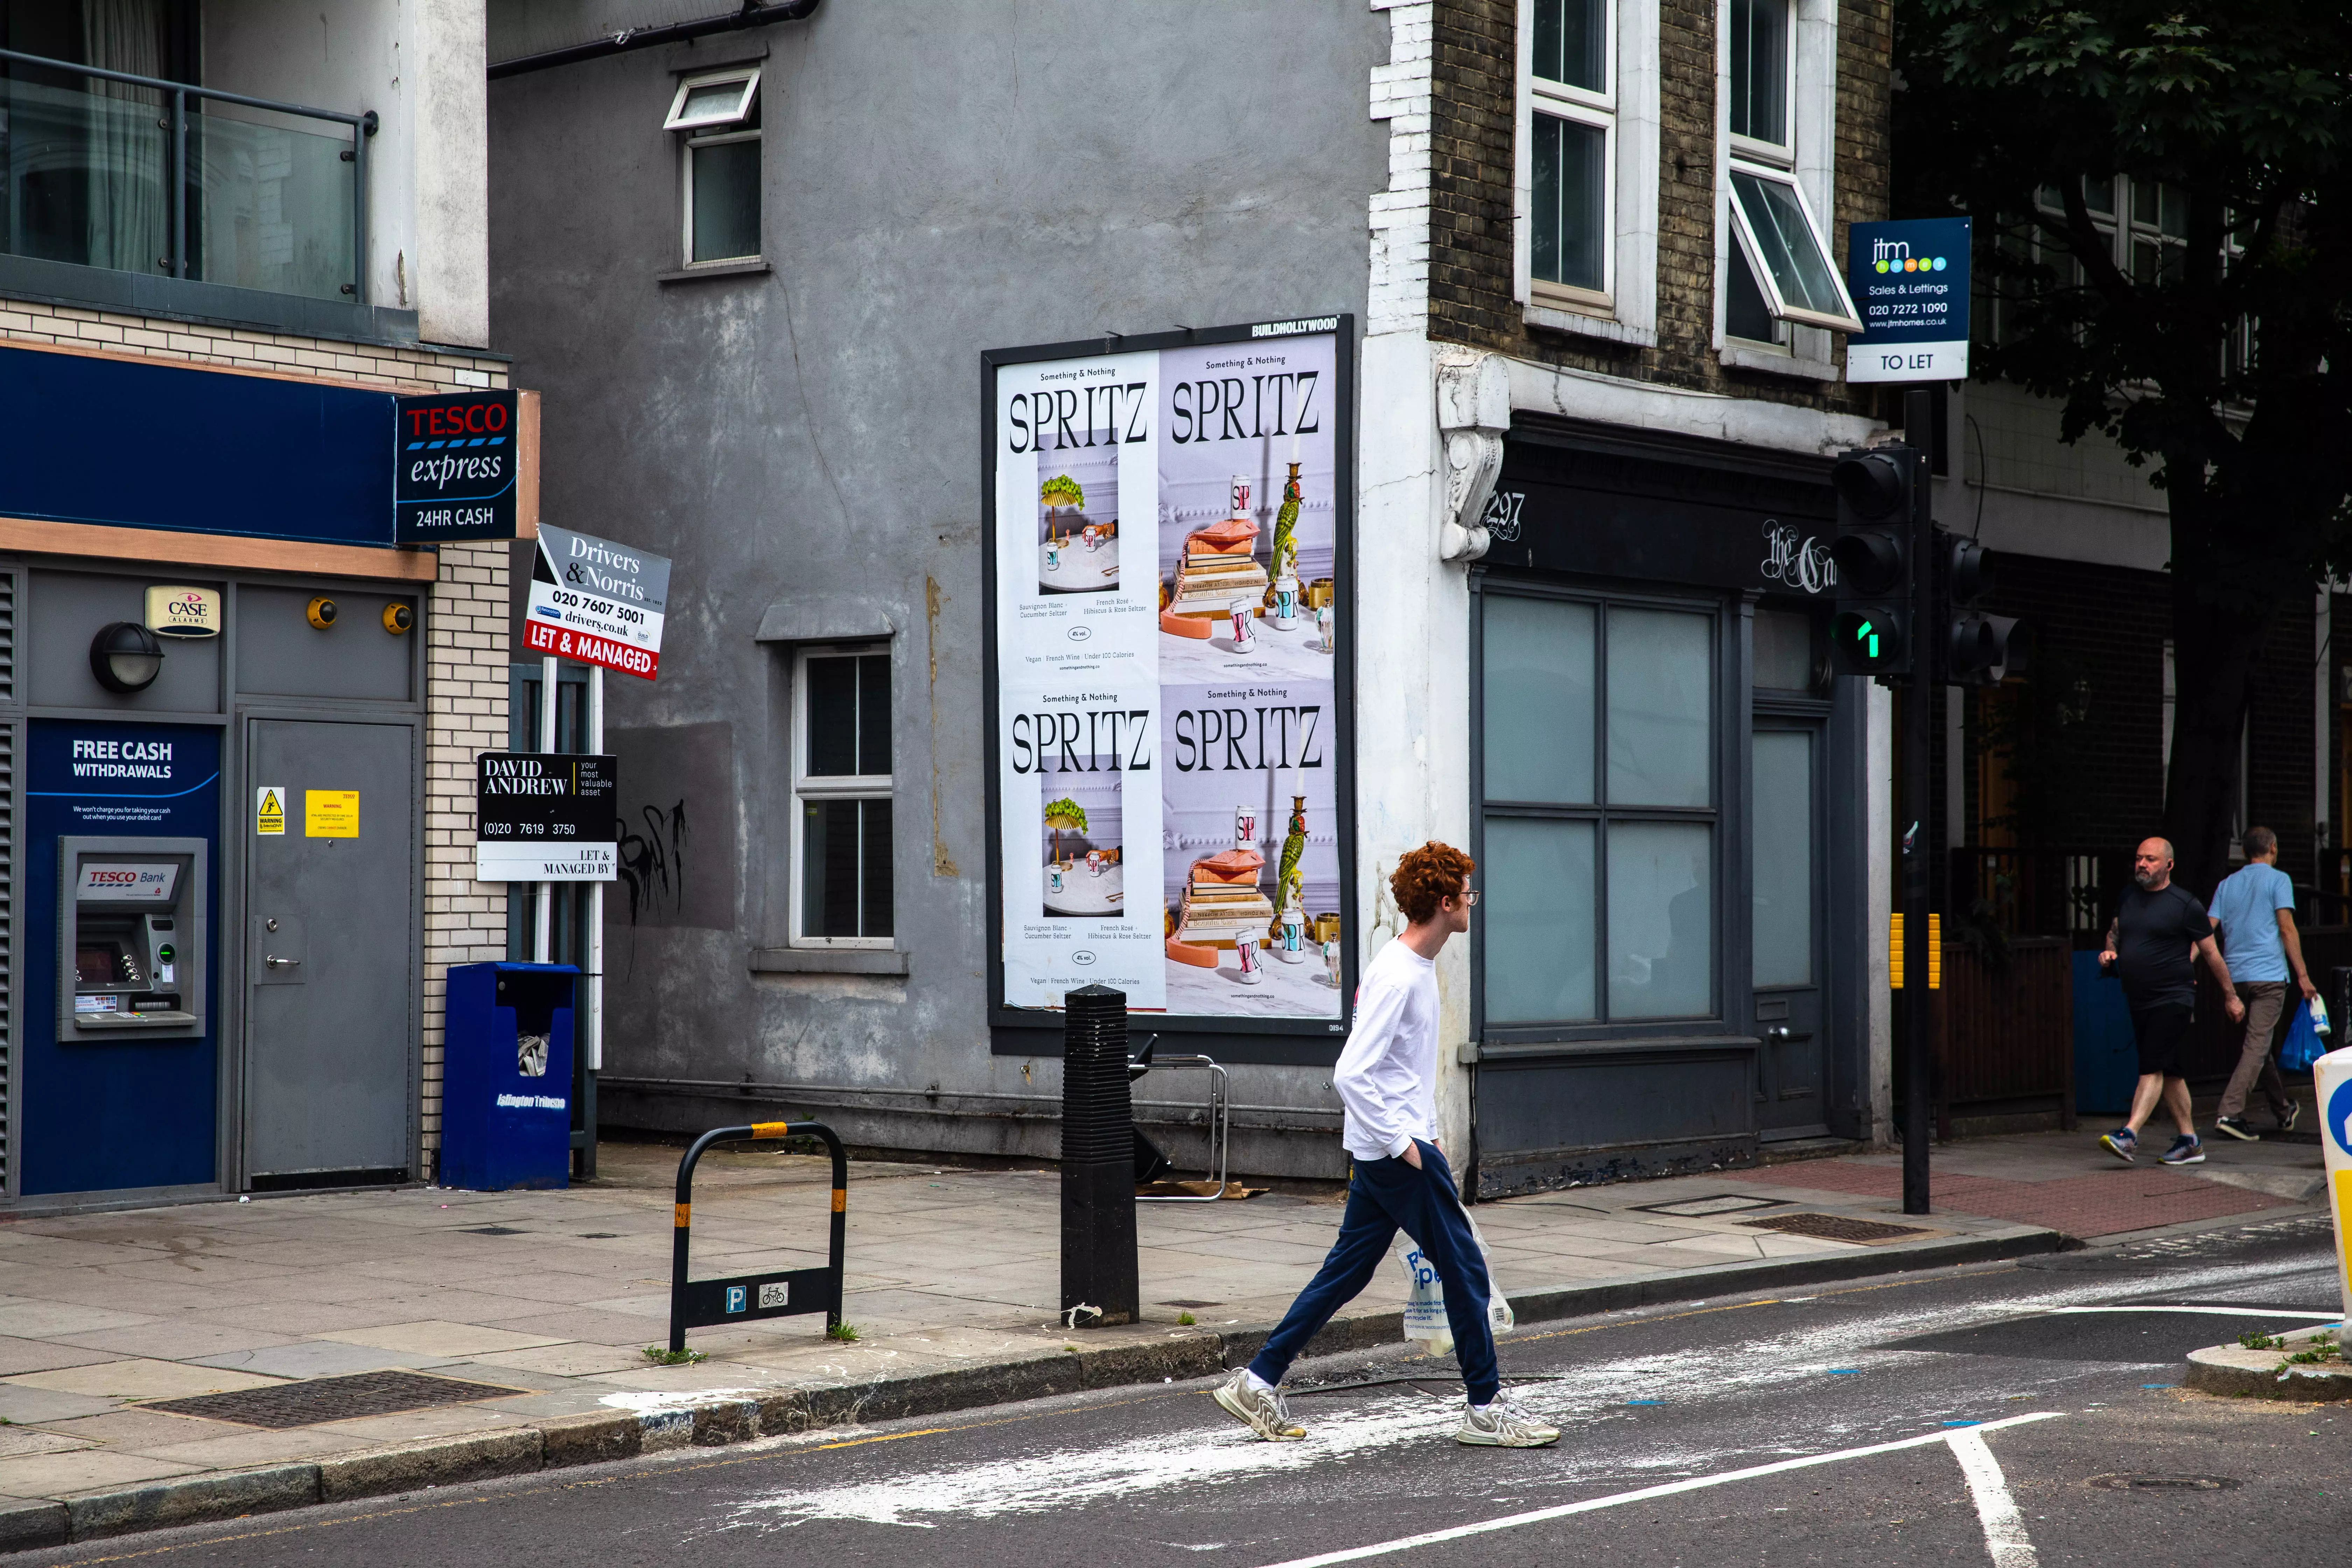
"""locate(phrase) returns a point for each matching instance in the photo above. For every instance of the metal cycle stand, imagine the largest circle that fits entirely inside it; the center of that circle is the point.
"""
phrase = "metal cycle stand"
(1219, 1124)
(698, 1303)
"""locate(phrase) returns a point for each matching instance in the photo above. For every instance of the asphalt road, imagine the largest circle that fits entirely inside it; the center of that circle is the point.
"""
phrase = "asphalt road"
(2074, 1404)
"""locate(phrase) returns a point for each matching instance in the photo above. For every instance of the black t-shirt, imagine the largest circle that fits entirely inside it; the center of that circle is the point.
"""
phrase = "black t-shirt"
(2153, 934)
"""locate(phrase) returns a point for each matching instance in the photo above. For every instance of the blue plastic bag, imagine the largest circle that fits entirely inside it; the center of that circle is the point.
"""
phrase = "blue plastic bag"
(2303, 1044)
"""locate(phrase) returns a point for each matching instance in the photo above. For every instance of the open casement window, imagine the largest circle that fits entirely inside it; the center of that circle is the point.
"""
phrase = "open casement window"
(1571, 93)
(1787, 255)
(842, 793)
(716, 101)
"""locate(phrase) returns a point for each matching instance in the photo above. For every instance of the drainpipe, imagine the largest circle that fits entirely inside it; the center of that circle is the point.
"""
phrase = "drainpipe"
(751, 16)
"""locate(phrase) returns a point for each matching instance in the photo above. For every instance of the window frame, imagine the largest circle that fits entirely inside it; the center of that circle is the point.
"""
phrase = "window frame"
(1803, 344)
(676, 119)
(1752, 249)
(1578, 106)
(834, 787)
(1720, 816)
(1624, 308)
(1782, 155)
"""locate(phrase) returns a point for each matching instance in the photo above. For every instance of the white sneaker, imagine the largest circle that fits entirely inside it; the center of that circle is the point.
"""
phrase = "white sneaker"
(1260, 1409)
(1504, 1425)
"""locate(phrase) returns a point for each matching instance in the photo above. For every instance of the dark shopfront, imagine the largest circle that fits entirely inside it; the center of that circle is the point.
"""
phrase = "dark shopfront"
(1668, 805)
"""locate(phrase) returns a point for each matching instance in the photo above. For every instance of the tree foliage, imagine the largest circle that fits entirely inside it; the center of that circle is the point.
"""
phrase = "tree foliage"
(2221, 362)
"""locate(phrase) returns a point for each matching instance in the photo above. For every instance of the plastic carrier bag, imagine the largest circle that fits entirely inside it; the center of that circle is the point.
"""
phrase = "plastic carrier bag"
(2303, 1044)
(1424, 1298)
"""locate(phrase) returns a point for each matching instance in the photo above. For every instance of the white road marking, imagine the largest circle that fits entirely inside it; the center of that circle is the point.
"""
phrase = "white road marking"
(2004, 1527)
(1591, 1505)
(2209, 1311)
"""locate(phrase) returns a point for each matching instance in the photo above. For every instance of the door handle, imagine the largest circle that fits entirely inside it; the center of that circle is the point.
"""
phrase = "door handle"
(272, 961)
(1782, 1036)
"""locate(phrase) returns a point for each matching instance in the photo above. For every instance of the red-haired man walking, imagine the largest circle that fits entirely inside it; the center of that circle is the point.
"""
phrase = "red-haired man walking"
(1387, 1083)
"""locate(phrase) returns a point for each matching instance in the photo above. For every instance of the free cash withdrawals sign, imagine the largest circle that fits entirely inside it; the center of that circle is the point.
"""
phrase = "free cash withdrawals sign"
(1910, 280)
(1166, 536)
(545, 816)
(597, 602)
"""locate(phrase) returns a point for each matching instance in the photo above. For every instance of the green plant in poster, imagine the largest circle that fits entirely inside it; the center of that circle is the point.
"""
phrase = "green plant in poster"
(1285, 525)
(1290, 881)
(1064, 816)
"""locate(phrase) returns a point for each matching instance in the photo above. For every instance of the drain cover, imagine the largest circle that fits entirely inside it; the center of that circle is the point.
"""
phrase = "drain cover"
(1721, 1203)
(2165, 1483)
(314, 1400)
(1834, 1228)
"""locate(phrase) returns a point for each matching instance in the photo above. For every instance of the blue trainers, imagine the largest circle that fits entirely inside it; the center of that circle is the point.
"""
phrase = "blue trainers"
(2123, 1144)
(2185, 1151)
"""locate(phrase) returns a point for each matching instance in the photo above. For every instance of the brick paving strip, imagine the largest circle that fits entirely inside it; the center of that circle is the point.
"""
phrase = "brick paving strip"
(110, 1324)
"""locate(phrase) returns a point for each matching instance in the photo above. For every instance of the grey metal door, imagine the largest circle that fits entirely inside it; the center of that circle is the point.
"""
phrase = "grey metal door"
(1786, 860)
(329, 962)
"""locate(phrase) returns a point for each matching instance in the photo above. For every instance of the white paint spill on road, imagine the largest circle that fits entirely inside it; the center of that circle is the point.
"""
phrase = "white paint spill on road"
(667, 1401)
(2004, 1527)
(1061, 1478)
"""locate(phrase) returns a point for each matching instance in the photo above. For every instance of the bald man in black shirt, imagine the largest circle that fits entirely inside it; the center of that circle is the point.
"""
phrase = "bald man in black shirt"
(2160, 932)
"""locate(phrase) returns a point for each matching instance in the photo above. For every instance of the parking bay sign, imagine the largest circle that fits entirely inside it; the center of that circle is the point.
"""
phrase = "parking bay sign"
(597, 602)
(545, 816)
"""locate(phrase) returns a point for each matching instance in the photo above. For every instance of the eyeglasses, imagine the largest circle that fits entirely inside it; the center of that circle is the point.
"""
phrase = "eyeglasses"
(1467, 899)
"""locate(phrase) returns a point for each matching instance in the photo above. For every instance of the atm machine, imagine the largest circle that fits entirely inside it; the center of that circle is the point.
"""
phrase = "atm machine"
(131, 912)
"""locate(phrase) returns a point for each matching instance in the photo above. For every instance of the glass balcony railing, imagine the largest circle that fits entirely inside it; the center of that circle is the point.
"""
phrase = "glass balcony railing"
(136, 175)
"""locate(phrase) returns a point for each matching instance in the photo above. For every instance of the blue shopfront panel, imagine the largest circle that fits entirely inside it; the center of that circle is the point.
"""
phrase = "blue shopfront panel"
(104, 1115)
(140, 445)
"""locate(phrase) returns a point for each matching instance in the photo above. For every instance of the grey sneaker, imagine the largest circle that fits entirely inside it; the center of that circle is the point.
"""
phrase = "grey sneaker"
(1504, 1425)
(1260, 1410)
(2123, 1144)
(2185, 1151)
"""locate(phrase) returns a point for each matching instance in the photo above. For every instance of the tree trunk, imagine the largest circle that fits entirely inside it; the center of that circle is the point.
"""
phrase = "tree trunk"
(2214, 638)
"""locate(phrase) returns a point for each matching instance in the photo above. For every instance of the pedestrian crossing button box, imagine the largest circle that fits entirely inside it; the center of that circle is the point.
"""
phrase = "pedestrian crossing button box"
(131, 912)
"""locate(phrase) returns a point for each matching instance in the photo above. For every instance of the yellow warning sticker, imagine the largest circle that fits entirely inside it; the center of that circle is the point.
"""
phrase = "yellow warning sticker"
(330, 814)
(269, 810)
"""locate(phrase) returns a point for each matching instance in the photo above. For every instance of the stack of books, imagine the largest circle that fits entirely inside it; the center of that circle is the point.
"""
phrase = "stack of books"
(1218, 568)
(1222, 904)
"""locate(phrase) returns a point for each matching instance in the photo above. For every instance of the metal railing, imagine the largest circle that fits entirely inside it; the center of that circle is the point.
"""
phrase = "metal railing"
(85, 174)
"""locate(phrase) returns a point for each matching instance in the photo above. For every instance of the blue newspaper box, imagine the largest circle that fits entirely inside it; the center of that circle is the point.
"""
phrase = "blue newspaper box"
(505, 1077)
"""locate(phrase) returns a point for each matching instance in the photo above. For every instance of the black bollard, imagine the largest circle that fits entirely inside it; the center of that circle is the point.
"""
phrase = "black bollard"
(1100, 1283)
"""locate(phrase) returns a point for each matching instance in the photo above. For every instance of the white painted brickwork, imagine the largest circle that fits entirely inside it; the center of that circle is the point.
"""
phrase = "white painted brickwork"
(1398, 300)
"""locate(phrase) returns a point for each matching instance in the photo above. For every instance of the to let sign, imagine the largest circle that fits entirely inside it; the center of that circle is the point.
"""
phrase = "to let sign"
(1910, 280)
(455, 464)
(545, 816)
(597, 602)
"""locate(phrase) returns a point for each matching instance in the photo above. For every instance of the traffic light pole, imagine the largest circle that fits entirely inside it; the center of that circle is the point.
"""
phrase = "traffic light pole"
(1917, 965)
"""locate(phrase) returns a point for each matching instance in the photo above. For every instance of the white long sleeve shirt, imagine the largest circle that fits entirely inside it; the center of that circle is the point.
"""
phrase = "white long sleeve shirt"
(1387, 1076)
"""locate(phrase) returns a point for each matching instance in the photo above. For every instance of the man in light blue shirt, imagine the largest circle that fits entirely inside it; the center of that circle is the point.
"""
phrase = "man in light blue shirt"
(2255, 908)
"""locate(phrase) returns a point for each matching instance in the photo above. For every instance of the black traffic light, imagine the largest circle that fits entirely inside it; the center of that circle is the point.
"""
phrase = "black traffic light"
(1973, 646)
(1881, 497)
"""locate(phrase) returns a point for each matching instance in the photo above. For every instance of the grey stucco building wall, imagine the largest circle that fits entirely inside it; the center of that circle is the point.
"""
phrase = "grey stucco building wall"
(802, 439)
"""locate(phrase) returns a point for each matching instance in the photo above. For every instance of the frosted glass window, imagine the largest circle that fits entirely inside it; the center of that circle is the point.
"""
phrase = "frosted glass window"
(1661, 700)
(1784, 650)
(1661, 920)
(1539, 699)
(1783, 858)
(1536, 892)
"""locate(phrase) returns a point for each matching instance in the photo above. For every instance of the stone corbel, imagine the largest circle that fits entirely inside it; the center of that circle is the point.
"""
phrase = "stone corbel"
(1473, 411)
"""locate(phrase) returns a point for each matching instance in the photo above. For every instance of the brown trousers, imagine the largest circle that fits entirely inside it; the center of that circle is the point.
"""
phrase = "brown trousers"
(2266, 1009)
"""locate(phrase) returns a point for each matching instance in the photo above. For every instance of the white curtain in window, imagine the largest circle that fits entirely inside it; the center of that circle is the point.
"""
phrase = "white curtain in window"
(126, 205)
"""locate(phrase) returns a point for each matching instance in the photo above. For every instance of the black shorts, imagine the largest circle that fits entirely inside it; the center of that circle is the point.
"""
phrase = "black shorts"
(2159, 1033)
